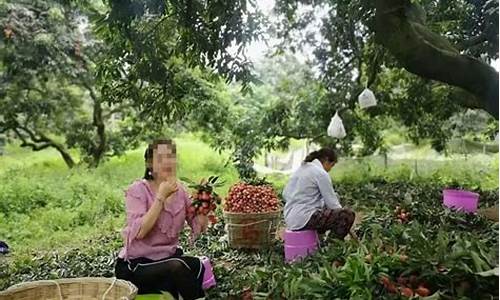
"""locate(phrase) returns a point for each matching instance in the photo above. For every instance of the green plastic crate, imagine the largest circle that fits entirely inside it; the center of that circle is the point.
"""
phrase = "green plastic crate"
(165, 296)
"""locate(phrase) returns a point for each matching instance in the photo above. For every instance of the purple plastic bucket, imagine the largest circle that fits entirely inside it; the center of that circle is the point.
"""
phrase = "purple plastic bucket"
(299, 244)
(461, 200)
(208, 276)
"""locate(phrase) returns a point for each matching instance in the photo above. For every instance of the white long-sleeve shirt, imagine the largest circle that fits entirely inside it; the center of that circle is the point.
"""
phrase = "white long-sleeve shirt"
(308, 190)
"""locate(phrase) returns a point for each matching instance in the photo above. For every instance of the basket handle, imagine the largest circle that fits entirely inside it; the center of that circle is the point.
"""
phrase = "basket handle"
(247, 224)
(48, 281)
(58, 288)
(109, 289)
(269, 222)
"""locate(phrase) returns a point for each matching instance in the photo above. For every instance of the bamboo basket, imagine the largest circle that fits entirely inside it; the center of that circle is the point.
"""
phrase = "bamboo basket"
(251, 230)
(88, 288)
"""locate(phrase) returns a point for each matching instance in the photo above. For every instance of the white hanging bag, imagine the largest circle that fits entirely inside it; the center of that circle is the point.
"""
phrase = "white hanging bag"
(367, 98)
(336, 128)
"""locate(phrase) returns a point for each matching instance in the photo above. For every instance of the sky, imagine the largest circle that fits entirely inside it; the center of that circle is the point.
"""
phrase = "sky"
(496, 64)
(257, 49)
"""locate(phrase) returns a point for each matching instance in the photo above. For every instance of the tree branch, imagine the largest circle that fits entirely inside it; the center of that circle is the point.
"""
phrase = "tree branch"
(355, 46)
(32, 135)
(301, 136)
(345, 68)
(431, 56)
(45, 141)
(375, 67)
(3, 127)
(116, 110)
(155, 27)
(91, 90)
(472, 42)
(36, 147)
(25, 143)
(62, 150)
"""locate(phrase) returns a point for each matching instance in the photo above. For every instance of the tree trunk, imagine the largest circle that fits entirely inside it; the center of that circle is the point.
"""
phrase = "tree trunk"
(431, 56)
(99, 148)
(65, 155)
(61, 149)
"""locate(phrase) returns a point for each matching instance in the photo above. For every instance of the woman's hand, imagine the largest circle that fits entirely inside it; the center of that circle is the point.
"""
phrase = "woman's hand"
(166, 189)
(163, 196)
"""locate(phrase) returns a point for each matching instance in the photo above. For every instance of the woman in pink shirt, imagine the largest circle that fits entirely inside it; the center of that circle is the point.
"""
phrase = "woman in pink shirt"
(156, 213)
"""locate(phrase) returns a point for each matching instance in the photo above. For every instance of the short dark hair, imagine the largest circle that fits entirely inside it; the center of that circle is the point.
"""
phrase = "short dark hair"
(148, 154)
(323, 154)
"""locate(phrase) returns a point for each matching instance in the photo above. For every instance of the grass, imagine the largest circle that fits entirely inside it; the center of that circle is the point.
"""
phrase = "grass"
(413, 163)
(478, 171)
(44, 205)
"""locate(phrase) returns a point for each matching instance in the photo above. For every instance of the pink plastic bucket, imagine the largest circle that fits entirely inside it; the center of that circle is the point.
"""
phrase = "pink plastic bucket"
(461, 200)
(299, 244)
(208, 276)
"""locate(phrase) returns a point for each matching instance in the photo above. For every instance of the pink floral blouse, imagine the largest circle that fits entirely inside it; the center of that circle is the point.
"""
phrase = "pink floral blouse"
(163, 239)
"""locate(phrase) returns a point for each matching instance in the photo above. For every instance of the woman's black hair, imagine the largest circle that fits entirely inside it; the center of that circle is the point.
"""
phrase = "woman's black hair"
(148, 156)
(323, 154)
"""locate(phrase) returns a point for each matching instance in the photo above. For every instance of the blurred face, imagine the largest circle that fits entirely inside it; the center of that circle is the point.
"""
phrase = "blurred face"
(327, 165)
(164, 161)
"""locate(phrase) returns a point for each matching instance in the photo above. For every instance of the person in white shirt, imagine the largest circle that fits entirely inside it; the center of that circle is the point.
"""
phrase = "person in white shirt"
(311, 202)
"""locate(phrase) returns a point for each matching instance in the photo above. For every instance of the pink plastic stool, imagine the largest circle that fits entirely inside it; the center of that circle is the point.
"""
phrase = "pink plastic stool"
(299, 244)
(462, 200)
(208, 276)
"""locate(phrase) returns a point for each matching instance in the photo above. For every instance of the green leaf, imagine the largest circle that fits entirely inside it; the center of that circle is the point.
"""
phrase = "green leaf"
(492, 272)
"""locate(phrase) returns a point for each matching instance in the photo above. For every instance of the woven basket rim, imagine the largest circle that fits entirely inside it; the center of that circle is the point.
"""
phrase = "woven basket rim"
(253, 214)
(38, 283)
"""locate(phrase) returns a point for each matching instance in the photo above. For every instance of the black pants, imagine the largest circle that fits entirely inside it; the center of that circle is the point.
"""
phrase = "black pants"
(176, 274)
(338, 221)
